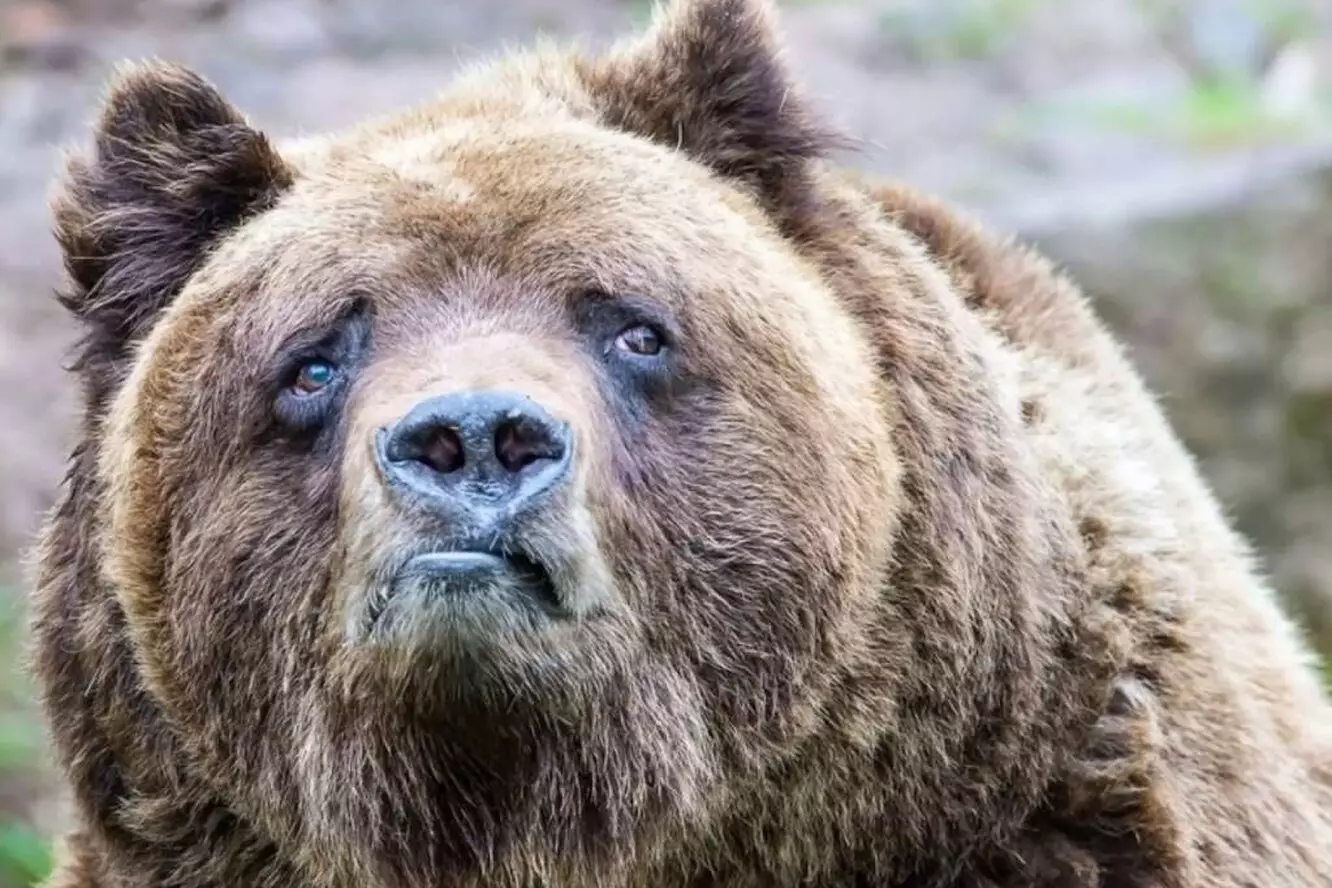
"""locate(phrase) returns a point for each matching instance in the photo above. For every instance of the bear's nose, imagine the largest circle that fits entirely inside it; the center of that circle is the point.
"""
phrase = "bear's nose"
(481, 449)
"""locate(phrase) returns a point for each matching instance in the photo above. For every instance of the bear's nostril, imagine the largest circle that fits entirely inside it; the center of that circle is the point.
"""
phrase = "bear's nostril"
(519, 443)
(476, 449)
(439, 448)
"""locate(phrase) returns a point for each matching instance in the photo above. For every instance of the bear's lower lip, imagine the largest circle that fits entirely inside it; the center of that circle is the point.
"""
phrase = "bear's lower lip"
(465, 587)
(456, 565)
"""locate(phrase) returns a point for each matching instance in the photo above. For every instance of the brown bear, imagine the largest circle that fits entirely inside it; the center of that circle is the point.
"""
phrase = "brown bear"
(579, 480)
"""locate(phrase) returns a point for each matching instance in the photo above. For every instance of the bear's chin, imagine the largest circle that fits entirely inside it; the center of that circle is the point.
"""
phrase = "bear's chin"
(444, 626)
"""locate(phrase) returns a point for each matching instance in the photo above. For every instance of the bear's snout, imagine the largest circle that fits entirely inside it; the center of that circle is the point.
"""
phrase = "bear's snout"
(473, 517)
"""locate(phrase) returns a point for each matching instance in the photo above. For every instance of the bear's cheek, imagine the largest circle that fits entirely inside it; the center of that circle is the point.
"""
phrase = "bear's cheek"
(751, 536)
(244, 591)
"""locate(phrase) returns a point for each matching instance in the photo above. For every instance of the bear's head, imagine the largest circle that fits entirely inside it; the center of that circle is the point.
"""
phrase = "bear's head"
(508, 486)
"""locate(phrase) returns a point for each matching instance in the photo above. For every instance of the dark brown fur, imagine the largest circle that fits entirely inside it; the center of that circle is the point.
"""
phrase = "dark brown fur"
(866, 593)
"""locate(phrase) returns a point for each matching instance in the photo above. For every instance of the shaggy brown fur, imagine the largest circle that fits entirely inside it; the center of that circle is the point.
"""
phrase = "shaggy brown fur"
(887, 572)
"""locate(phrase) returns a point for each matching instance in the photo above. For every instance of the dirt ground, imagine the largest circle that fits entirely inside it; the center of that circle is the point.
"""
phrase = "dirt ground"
(1022, 109)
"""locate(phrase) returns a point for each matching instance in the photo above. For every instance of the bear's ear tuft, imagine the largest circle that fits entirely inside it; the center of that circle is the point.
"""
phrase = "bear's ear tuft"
(709, 79)
(173, 166)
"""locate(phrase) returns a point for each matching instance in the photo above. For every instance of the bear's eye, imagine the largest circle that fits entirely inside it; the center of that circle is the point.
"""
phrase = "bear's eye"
(314, 376)
(309, 393)
(640, 339)
(315, 370)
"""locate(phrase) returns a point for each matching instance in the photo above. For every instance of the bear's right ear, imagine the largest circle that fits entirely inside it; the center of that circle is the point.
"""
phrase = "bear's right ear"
(173, 167)
(709, 79)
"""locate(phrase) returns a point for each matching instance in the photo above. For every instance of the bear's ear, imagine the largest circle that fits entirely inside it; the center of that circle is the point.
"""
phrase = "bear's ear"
(172, 167)
(709, 79)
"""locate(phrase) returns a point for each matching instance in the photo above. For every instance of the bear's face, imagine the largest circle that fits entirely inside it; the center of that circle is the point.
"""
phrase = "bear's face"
(493, 477)
(542, 406)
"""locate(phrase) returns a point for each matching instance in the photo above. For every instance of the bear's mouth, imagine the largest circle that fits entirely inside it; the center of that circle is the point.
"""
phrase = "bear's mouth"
(466, 578)
(462, 568)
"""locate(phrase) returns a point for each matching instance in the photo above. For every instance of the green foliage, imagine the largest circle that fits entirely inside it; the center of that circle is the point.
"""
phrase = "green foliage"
(955, 30)
(1225, 113)
(1208, 115)
(25, 858)
(24, 854)
(1284, 20)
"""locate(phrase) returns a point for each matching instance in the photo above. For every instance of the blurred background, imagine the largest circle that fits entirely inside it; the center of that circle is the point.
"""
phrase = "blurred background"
(1176, 155)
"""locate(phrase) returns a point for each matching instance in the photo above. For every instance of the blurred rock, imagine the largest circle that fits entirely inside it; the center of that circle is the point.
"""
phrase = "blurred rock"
(292, 30)
(38, 33)
(1291, 85)
(1227, 36)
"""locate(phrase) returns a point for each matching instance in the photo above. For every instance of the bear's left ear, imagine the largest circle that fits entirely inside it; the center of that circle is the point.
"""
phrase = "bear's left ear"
(173, 167)
(709, 79)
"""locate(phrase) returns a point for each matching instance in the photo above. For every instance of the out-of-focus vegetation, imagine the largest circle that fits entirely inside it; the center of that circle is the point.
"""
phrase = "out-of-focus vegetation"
(24, 852)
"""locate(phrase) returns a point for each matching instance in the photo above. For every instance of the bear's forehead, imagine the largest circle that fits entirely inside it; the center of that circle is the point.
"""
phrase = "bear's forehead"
(524, 196)
(544, 166)
(551, 200)
(496, 211)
